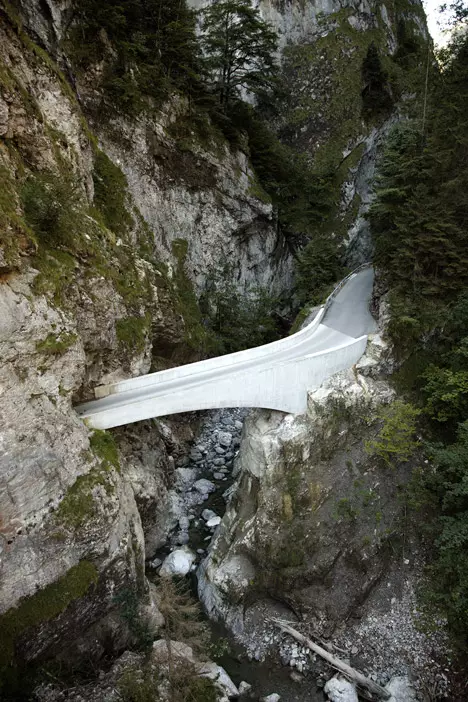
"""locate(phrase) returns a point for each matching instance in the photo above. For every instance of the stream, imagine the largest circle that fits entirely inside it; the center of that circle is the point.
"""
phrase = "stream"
(204, 480)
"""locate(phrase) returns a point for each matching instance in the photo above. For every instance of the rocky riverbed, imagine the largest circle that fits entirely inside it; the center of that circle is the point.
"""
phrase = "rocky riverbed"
(272, 666)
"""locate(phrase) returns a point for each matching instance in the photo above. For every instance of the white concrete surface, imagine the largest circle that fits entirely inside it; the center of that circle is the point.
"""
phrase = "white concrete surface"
(273, 376)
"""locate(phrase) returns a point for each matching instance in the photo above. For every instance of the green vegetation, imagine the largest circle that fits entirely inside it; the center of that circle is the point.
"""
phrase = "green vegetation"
(197, 337)
(238, 320)
(56, 344)
(132, 332)
(15, 235)
(110, 194)
(419, 224)
(128, 601)
(104, 446)
(238, 49)
(42, 607)
(80, 504)
(149, 48)
(79, 507)
(53, 209)
(446, 488)
(376, 94)
(397, 439)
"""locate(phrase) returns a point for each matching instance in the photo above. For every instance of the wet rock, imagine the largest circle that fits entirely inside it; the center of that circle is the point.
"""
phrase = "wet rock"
(183, 538)
(208, 514)
(238, 425)
(225, 439)
(179, 562)
(220, 450)
(213, 522)
(340, 690)
(219, 461)
(274, 697)
(244, 688)
(219, 476)
(204, 486)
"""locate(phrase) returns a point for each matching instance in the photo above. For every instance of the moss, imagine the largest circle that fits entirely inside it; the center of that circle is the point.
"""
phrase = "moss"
(196, 336)
(45, 605)
(132, 332)
(56, 344)
(104, 446)
(79, 507)
(110, 194)
(256, 190)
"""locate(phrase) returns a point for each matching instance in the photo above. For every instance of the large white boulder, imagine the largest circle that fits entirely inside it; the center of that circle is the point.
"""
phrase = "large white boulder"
(340, 690)
(179, 562)
(401, 689)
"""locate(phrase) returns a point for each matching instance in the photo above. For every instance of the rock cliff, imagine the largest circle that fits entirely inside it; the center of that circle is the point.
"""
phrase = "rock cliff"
(108, 233)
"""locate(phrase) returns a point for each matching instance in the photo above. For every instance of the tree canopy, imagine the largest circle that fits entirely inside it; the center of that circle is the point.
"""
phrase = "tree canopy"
(239, 49)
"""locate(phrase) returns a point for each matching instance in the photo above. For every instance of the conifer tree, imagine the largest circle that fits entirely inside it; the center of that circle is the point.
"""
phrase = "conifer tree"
(239, 49)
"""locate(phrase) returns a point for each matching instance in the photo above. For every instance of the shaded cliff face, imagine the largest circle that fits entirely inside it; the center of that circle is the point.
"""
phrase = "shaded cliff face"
(322, 47)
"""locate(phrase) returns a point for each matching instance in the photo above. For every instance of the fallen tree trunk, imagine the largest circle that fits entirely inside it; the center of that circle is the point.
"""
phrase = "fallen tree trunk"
(343, 667)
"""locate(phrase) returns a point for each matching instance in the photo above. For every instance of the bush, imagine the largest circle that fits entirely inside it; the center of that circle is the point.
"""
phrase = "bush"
(110, 194)
(53, 209)
(396, 440)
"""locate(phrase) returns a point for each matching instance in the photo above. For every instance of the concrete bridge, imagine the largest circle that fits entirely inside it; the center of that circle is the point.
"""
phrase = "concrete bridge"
(274, 376)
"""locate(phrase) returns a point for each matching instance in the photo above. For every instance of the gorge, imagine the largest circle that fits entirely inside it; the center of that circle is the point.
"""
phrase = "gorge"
(142, 228)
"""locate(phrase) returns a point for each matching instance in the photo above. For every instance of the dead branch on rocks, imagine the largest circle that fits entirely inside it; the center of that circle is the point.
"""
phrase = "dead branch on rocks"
(338, 664)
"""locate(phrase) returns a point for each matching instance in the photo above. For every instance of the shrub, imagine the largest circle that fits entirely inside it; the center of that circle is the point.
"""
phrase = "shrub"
(52, 209)
(396, 440)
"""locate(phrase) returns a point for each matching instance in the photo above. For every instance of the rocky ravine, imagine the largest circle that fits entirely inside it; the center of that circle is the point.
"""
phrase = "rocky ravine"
(317, 532)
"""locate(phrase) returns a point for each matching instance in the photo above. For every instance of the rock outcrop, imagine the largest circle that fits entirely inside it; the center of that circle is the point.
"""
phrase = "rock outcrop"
(314, 515)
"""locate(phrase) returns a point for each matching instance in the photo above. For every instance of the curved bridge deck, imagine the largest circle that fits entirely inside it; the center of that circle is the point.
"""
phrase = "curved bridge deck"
(274, 376)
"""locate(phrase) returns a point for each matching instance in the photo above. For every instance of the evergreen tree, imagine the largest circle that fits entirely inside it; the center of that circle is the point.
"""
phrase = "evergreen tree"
(239, 49)
(376, 94)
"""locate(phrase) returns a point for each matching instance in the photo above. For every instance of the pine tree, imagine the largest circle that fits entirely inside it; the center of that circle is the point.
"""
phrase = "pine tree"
(239, 49)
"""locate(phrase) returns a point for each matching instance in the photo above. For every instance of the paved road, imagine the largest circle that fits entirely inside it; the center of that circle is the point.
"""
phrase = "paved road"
(275, 375)
(350, 311)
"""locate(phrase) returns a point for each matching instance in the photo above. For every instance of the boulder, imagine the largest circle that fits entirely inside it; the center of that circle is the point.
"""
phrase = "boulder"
(213, 522)
(204, 486)
(271, 698)
(224, 439)
(179, 562)
(340, 690)
(218, 675)
(401, 689)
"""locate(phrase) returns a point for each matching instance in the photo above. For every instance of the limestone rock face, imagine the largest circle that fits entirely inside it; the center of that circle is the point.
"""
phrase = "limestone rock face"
(322, 44)
(309, 521)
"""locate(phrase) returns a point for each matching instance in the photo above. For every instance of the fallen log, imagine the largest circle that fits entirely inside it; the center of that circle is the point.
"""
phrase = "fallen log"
(340, 665)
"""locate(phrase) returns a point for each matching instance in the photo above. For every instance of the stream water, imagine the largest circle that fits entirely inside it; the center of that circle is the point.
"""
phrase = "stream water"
(212, 458)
